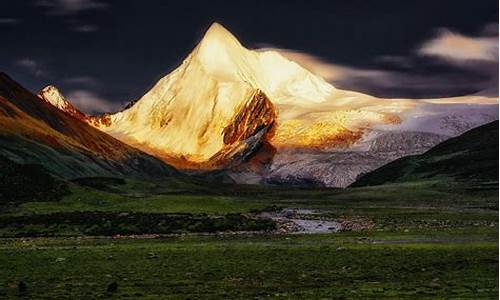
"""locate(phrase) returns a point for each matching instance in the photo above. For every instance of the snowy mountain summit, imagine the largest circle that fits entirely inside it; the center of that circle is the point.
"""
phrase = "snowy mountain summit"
(194, 114)
(52, 95)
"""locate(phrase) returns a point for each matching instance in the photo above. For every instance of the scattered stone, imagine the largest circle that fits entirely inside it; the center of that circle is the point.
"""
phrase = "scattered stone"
(355, 223)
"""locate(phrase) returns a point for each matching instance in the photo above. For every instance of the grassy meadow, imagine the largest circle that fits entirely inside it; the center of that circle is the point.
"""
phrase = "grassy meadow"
(428, 239)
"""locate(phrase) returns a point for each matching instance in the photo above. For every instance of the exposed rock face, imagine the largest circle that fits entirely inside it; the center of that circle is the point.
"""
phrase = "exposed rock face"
(101, 121)
(397, 143)
(254, 116)
(250, 128)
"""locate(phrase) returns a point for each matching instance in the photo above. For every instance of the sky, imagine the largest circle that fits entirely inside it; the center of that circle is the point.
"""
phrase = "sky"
(102, 53)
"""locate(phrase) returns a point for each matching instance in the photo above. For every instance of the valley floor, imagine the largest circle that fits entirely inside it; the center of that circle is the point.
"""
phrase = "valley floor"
(418, 240)
(343, 266)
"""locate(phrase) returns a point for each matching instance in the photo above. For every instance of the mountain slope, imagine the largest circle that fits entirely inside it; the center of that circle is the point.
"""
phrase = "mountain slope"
(33, 131)
(472, 156)
(193, 116)
(185, 116)
(264, 118)
(341, 168)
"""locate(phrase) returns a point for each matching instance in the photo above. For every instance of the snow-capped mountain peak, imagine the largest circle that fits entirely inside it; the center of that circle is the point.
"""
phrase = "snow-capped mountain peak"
(221, 55)
(225, 58)
(216, 41)
(189, 115)
(53, 96)
(186, 113)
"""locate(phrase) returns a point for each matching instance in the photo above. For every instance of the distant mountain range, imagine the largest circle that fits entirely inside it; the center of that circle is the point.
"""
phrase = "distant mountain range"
(250, 115)
(471, 157)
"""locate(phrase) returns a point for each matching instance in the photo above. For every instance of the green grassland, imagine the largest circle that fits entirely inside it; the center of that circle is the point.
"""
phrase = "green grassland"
(430, 239)
(339, 266)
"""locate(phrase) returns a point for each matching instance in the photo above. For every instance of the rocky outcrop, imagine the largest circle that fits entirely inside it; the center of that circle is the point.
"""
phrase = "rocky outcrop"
(103, 120)
(247, 136)
(256, 114)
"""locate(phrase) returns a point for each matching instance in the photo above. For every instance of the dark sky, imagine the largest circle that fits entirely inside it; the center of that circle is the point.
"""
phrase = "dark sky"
(116, 50)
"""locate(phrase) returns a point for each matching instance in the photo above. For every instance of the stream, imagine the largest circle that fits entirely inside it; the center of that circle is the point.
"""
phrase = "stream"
(301, 221)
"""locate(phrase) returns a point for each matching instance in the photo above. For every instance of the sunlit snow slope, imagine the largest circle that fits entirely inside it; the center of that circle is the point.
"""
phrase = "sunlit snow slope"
(186, 117)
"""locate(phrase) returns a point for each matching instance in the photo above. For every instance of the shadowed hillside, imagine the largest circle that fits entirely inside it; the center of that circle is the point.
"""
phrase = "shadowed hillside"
(471, 157)
(34, 132)
(19, 183)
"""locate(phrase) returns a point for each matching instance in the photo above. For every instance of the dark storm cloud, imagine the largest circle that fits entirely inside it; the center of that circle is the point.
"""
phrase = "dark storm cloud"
(9, 21)
(32, 66)
(69, 12)
(82, 80)
(465, 64)
(69, 7)
(114, 50)
(85, 28)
